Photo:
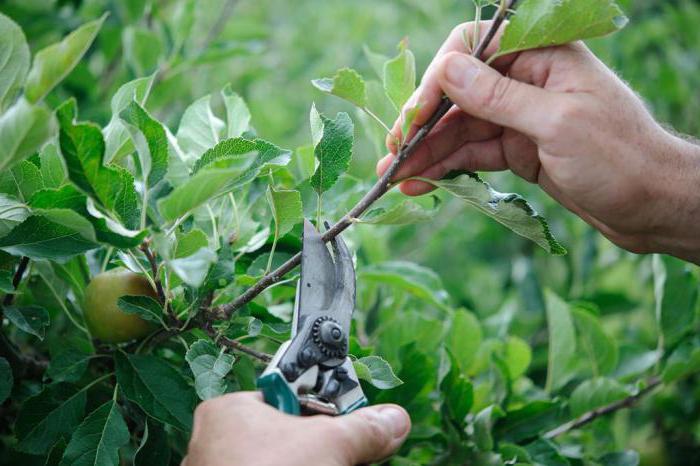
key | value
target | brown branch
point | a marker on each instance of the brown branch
(378, 190)
(16, 279)
(594, 414)
(238, 346)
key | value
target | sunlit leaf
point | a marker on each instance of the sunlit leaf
(376, 371)
(346, 84)
(54, 62)
(15, 61)
(333, 141)
(510, 210)
(400, 76)
(210, 365)
(544, 23)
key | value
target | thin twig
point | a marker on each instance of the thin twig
(238, 346)
(379, 189)
(154, 270)
(16, 279)
(594, 414)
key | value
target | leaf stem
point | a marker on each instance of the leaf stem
(376, 191)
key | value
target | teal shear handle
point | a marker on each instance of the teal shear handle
(278, 393)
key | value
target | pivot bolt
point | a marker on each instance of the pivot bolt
(332, 334)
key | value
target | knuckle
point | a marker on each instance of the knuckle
(562, 118)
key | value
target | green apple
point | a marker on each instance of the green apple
(105, 320)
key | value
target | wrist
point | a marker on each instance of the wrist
(675, 228)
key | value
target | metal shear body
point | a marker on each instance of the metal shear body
(311, 372)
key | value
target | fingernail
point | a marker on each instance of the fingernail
(460, 71)
(395, 420)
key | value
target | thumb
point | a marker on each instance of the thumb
(483, 92)
(369, 434)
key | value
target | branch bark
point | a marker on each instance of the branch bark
(592, 415)
(16, 279)
(378, 190)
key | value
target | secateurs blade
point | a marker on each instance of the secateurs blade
(311, 372)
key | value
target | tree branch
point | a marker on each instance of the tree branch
(592, 415)
(16, 279)
(378, 190)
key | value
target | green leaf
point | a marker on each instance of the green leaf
(142, 49)
(143, 306)
(237, 113)
(68, 365)
(24, 128)
(463, 337)
(49, 416)
(53, 172)
(346, 84)
(676, 293)
(210, 365)
(684, 361)
(117, 140)
(97, 440)
(517, 356)
(601, 348)
(620, 458)
(400, 76)
(199, 128)
(30, 319)
(376, 60)
(407, 121)
(12, 213)
(483, 424)
(528, 421)
(193, 269)
(419, 281)
(190, 242)
(24, 179)
(286, 209)
(54, 62)
(14, 65)
(6, 380)
(562, 341)
(150, 141)
(595, 393)
(229, 165)
(39, 238)
(402, 211)
(376, 371)
(544, 23)
(510, 210)
(546, 452)
(457, 390)
(154, 448)
(83, 149)
(333, 141)
(70, 208)
(157, 388)
(6, 281)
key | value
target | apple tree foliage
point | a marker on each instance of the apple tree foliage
(494, 366)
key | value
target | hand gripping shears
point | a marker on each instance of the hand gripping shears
(312, 373)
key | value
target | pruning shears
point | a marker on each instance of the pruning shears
(311, 372)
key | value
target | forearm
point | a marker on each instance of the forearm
(677, 230)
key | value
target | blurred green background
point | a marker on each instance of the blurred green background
(269, 50)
